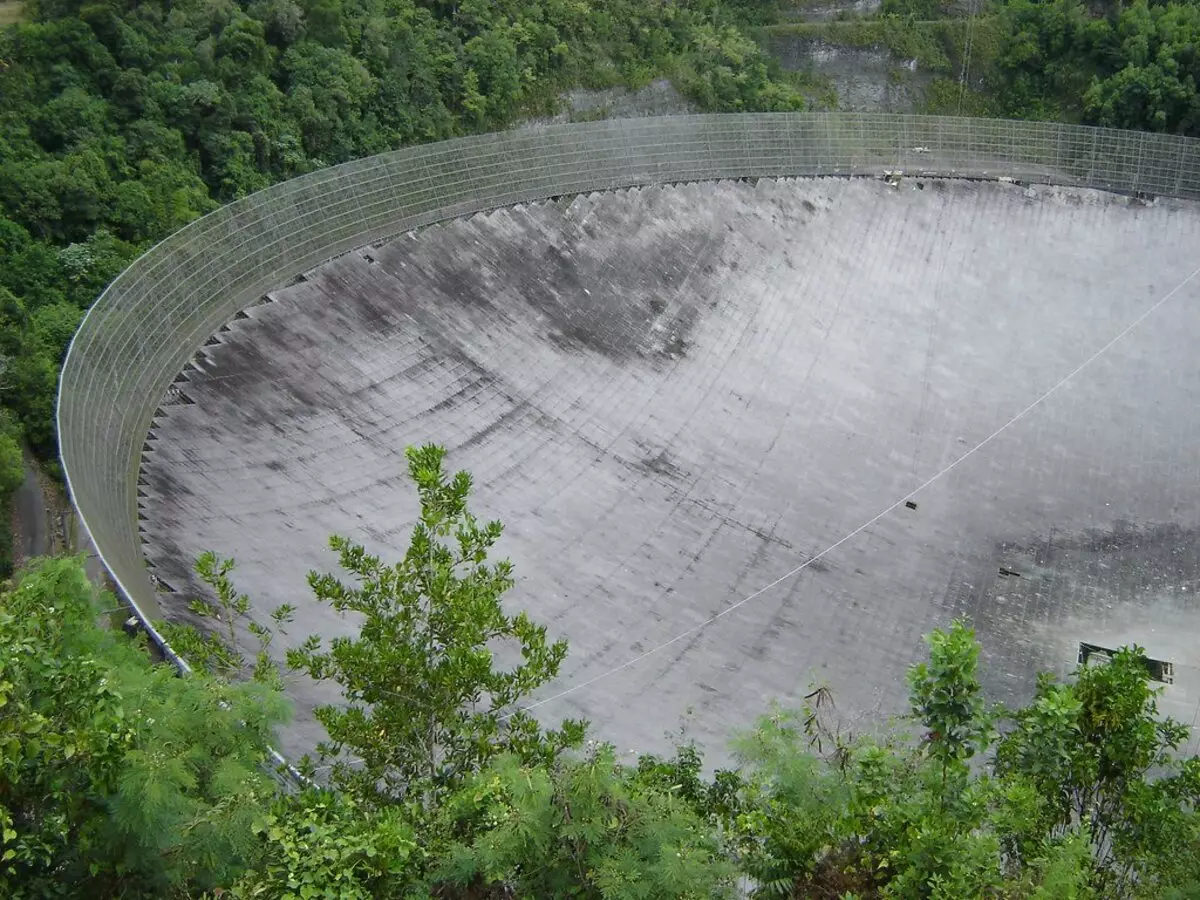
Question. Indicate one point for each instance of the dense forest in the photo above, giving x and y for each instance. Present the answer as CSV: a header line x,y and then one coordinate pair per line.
x,y
1131,65
120,779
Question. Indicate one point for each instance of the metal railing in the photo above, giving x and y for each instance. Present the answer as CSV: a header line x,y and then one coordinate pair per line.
x,y
153,318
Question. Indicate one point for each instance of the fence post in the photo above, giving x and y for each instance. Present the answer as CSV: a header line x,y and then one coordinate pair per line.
x,y
1058,141
1137,178
1179,174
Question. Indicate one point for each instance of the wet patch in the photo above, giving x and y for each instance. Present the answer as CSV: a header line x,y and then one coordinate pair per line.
x,y
1110,584
629,290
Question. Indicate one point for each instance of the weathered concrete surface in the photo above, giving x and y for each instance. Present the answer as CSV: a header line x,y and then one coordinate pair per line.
x,y
673,396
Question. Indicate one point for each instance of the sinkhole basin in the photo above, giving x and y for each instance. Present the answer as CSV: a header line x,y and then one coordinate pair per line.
x,y
747,435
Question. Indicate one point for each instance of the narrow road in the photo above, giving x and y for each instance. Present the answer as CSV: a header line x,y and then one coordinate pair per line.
x,y
45,525
31,531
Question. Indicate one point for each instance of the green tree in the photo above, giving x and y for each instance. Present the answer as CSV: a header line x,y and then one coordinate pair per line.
x,y
28,389
1084,796
162,199
12,473
1153,72
495,72
320,845
819,813
791,815
31,269
947,698
586,828
1097,751
426,705
1046,58
52,327
117,777
89,266
220,651
725,70
12,463
30,375
72,118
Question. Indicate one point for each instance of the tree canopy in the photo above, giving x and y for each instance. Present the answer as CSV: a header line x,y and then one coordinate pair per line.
x,y
1122,65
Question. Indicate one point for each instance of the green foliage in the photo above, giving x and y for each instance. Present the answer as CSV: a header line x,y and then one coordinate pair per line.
x,y
6,537
12,474
116,776
725,70
790,814
1045,62
1153,84
881,820
1097,751
12,463
223,654
1135,68
947,698
1084,795
425,704
588,828
318,845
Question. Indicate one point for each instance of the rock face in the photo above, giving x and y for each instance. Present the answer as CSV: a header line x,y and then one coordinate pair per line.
x,y
864,79
675,397
658,98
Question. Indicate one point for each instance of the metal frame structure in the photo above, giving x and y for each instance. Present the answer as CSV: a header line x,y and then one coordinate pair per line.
x,y
158,313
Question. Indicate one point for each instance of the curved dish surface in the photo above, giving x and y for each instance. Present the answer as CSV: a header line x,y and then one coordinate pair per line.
x,y
675,395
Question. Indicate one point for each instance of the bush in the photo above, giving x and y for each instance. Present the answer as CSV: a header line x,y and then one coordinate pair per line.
x,y
118,778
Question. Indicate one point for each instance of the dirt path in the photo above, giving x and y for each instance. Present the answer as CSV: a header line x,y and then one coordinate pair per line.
x,y
44,523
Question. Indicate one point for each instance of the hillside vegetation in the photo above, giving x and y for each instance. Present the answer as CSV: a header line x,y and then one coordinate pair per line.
x,y
1123,65
1131,66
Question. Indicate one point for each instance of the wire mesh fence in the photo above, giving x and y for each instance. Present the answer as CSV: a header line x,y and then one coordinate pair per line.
x,y
155,317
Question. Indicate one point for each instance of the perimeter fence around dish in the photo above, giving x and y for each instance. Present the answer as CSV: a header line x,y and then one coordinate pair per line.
x,y
155,317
